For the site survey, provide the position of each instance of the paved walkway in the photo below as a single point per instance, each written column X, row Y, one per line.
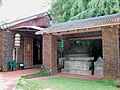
column 8, row 80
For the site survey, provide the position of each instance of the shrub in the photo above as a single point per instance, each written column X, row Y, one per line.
column 44, row 72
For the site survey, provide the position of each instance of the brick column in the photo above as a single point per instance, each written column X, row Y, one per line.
column 50, row 52
column 1, row 39
column 110, row 39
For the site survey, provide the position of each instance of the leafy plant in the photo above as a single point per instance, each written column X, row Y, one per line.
column 44, row 72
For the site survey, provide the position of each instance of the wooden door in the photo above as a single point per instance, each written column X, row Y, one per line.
column 28, row 52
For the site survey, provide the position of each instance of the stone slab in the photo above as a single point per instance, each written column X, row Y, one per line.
column 76, row 71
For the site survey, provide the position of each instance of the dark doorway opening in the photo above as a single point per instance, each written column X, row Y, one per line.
column 37, row 52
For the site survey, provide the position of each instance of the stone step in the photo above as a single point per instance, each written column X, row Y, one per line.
column 76, row 62
column 77, row 55
column 80, row 58
column 77, row 67
column 76, row 71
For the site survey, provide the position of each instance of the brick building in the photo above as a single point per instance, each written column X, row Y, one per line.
column 30, row 50
column 42, row 48
column 106, row 28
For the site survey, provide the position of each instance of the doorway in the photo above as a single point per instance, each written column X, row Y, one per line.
column 37, row 52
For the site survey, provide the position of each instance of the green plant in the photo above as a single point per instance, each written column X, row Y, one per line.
column 44, row 72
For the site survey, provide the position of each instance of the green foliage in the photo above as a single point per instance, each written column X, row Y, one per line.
column 83, row 42
column 44, row 72
column 105, row 6
column 65, row 10
column 61, row 45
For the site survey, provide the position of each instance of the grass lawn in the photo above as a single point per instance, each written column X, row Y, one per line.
column 62, row 83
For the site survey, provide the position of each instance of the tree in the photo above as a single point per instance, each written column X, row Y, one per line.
column 65, row 10
column 60, row 10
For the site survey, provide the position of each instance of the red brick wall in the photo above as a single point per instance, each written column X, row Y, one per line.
column 7, row 48
column 50, row 52
column 7, row 45
column 110, row 39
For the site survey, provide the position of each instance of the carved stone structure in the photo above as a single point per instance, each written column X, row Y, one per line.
column 78, row 61
column 77, row 64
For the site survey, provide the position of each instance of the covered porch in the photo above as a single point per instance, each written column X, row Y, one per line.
column 30, row 46
column 105, row 28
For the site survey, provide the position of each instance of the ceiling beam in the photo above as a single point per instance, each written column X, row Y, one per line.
column 76, row 31
column 87, row 38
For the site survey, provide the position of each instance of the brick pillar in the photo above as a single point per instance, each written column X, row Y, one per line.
column 50, row 52
column 1, row 39
column 110, row 39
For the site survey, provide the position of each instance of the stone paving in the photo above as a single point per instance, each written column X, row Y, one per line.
column 8, row 80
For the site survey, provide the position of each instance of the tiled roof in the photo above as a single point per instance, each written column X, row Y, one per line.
column 84, row 23
column 24, row 19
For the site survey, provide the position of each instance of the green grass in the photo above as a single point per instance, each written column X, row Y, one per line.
column 62, row 83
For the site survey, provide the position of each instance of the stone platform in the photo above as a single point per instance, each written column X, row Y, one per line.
column 77, row 64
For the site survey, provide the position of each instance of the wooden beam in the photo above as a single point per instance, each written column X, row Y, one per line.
column 87, row 38
column 76, row 31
